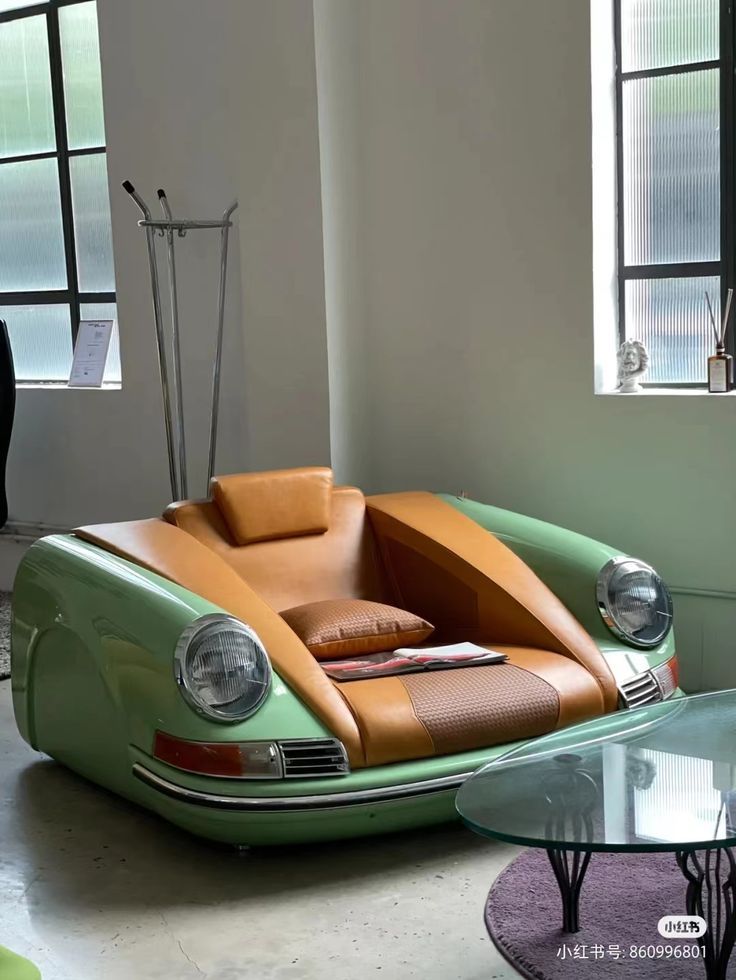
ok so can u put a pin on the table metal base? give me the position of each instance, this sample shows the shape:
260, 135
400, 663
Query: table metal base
569, 868
711, 894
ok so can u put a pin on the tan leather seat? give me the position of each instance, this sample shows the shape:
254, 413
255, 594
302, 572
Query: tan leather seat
289, 567
289, 537
440, 712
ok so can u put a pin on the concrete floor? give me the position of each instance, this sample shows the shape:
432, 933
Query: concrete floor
94, 887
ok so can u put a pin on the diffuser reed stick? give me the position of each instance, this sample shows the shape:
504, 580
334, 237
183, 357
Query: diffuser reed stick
712, 317
724, 325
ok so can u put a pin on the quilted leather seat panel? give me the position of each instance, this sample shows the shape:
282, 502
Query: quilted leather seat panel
472, 707
413, 716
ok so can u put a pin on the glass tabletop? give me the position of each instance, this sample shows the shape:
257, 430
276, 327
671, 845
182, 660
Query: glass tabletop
658, 778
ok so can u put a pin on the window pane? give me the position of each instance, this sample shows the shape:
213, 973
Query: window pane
31, 236
41, 340
91, 202
107, 311
670, 317
660, 33
80, 50
26, 106
17, 4
671, 169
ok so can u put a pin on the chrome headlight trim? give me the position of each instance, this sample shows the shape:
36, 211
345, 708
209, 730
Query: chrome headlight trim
608, 613
212, 623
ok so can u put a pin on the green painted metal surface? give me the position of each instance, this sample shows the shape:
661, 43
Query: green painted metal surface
266, 829
14, 967
101, 632
312, 825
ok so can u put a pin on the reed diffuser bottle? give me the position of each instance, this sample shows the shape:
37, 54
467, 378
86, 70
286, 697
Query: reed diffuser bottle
720, 371
720, 364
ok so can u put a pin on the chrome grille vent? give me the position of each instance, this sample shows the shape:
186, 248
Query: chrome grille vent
640, 690
310, 758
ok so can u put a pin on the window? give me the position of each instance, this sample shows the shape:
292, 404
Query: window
56, 261
675, 168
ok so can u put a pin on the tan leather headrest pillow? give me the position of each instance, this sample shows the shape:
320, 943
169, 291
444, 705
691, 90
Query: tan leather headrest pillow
277, 504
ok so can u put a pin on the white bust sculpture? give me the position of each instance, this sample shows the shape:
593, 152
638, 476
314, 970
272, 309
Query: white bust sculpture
632, 361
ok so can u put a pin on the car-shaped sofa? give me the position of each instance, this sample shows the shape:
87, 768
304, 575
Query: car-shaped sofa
151, 656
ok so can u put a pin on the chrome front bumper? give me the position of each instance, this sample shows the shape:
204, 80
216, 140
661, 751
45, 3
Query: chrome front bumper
324, 801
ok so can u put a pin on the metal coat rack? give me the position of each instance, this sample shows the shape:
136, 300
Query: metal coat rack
172, 228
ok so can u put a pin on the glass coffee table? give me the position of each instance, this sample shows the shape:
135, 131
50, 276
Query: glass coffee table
658, 778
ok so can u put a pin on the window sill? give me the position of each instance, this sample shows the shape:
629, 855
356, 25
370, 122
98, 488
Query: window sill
63, 386
676, 392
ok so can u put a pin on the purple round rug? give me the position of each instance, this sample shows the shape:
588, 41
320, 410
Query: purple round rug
623, 898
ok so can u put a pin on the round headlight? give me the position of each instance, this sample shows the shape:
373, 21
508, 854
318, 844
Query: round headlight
634, 602
222, 668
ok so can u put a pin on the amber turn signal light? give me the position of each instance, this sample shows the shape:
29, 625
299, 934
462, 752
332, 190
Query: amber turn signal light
668, 676
230, 760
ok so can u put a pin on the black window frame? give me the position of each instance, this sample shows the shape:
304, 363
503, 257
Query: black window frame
725, 267
71, 296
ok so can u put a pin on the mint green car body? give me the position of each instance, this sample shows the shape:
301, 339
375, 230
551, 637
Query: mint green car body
93, 639
14, 967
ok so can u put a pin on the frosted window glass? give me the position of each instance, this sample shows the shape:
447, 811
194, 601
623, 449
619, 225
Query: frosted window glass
41, 341
80, 51
31, 235
26, 106
91, 203
670, 317
17, 4
107, 311
662, 33
671, 169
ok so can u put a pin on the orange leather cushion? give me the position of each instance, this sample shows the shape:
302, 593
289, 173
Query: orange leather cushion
276, 504
336, 628
342, 563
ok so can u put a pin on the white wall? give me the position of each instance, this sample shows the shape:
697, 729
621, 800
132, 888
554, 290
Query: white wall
477, 252
273, 107
339, 54
212, 102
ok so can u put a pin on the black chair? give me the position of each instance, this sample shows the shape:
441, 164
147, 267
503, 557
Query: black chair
7, 413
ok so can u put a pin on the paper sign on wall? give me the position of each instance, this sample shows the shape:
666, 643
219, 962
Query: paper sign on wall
90, 353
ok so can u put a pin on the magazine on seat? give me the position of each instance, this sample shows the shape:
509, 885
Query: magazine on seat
408, 660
